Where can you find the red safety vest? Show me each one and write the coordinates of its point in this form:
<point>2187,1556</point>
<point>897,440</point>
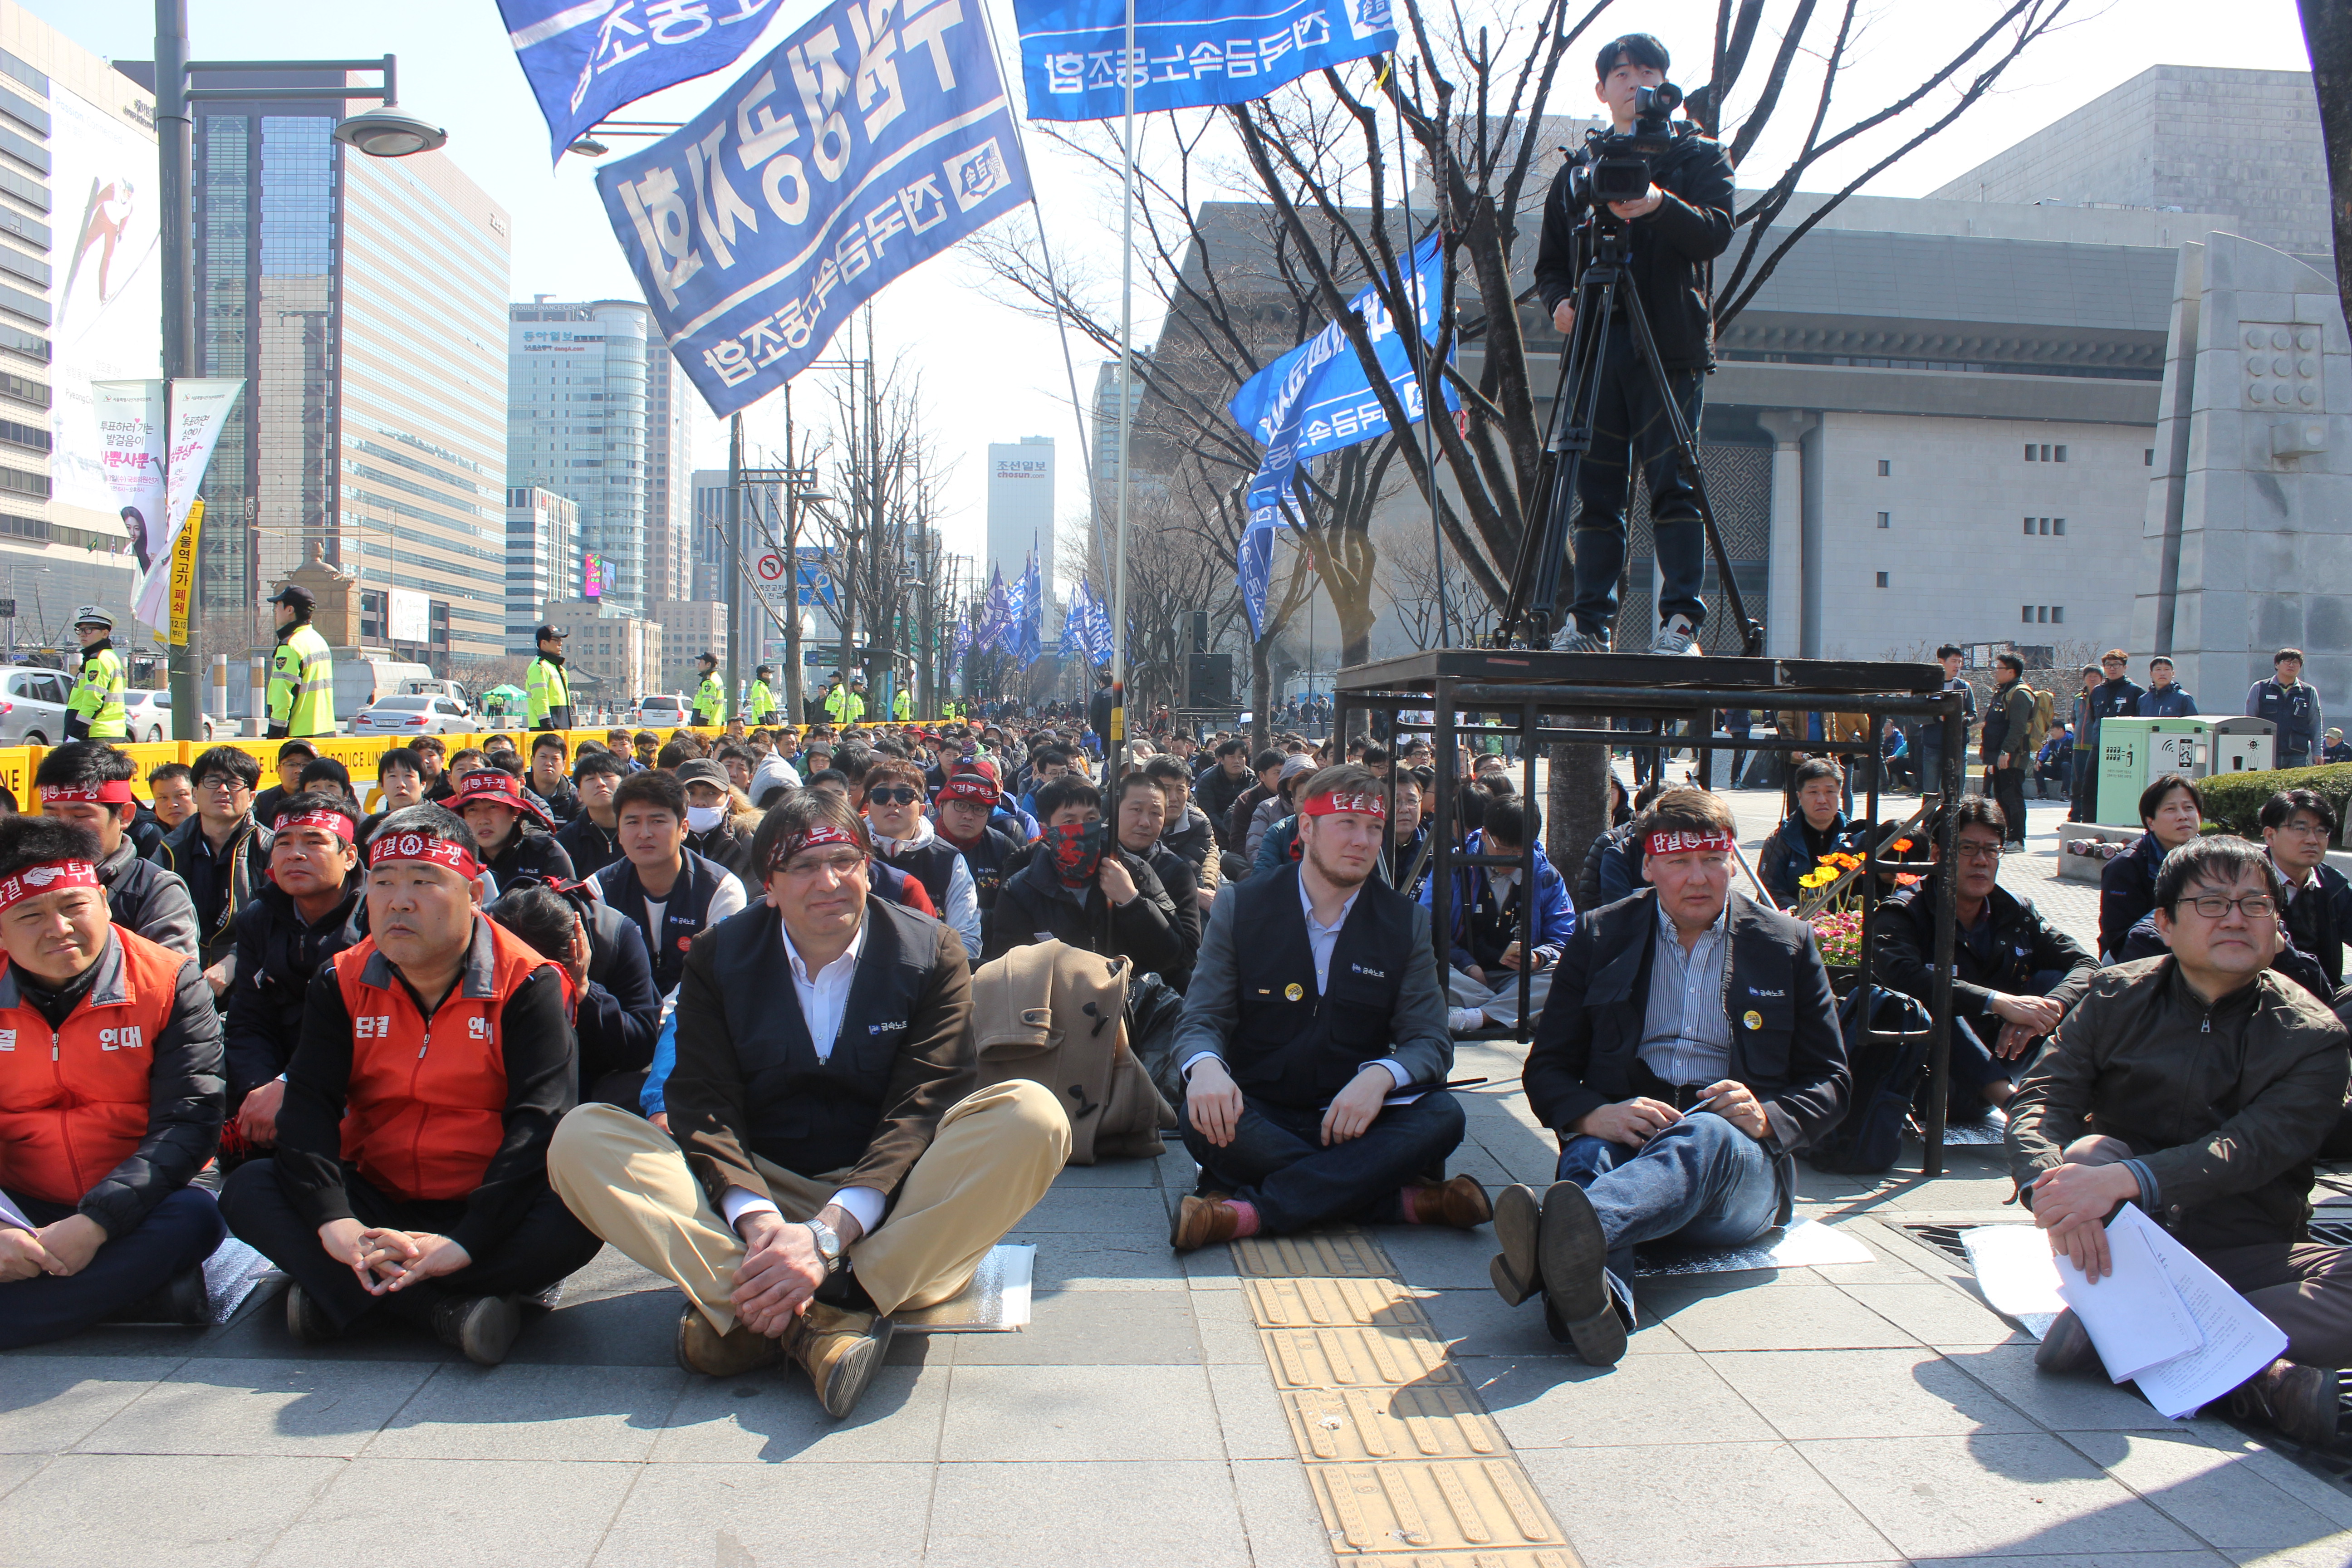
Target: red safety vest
<point>73,1101</point>
<point>426,1106</point>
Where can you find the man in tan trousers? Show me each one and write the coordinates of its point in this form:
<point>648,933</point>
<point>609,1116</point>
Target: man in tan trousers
<point>830,1159</point>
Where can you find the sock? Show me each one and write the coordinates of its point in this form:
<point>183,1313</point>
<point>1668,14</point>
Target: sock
<point>1246,1212</point>
<point>1405,1196</point>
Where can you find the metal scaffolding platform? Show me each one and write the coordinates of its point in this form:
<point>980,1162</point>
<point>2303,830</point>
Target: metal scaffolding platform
<point>1535,699</point>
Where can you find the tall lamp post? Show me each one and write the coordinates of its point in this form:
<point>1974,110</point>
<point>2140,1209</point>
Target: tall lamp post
<point>382,133</point>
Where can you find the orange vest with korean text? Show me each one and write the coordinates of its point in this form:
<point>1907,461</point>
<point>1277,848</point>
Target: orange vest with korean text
<point>426,1106</point>
<point>73,1101</point>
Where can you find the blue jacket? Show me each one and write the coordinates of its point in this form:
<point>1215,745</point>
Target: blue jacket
<point>2167,702</point>
<point>1473,902</point>
<point>1786,857</point>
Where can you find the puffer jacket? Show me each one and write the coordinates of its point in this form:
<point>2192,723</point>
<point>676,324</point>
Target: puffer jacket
<point>2222,1104</point>
<point>2126,892</point>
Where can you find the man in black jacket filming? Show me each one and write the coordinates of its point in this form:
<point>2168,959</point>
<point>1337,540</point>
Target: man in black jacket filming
<point>1671,232</point>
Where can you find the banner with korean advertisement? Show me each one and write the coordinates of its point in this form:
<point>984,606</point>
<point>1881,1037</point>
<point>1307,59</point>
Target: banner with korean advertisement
<point>105,302</point>
<point>155,457</point>
<point>875,136</point>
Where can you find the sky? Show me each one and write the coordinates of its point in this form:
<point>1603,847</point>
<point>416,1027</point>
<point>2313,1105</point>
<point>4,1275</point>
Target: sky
<point>991,373</point>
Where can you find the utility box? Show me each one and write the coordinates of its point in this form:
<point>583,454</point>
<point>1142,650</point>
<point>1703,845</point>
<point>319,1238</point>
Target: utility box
<point>2135,752</point>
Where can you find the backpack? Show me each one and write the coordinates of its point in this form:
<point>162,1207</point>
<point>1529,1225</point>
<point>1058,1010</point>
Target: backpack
<point>1055,1015</point>
<point>2045,718</point>
<point>1886,1073</point>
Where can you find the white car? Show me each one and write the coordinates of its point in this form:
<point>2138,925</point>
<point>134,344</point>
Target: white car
<point>150,713</point>
<point>661,712</point>
<point>413,715</point>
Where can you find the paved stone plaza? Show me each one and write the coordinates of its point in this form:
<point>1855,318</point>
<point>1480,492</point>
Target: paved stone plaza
<point>1865,1414</point>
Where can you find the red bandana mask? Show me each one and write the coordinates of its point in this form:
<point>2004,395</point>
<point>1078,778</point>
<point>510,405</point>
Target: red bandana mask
<point>46,878</point>
<point>391,847</point>
<point>1076,850</point>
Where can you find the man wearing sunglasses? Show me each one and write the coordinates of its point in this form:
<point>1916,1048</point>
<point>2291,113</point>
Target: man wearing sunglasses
<point>905,837</point>
<point>2198,1086</point>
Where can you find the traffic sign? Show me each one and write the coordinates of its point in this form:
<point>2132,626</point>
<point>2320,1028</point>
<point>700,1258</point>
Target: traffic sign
<point>772,567</point>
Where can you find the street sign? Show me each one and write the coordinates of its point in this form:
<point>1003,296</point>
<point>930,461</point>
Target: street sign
<point>7,609</point>
<point>770,567</point>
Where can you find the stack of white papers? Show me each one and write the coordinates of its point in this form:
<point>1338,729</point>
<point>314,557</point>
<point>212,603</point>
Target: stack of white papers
<point>2166,1321</point>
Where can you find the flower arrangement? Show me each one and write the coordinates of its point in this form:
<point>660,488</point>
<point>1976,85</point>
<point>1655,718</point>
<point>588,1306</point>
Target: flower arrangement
<point>1839,932</point>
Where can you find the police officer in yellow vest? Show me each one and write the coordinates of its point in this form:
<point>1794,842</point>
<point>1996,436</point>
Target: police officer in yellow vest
<point>902,706</point>
<point>837,700</point>
<point>302,671</point>
<point>711,698</point>
<point>760,702</point>
<point>94,712</point>
<point>857,699</point>
<point>548,683</point>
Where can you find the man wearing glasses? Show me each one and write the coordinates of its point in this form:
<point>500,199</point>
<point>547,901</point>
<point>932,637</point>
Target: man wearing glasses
<point>905,837</point>
<point>2014,974</point>
<point>2298,824</point>
<point>222,854</point>
<point>2198,1086</point>
<point>834,1160</point>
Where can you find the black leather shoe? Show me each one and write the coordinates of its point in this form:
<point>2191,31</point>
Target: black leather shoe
<point>2066,1347</point>
<point>482,1327</point>
<point>1518,1217</point>
<point>304,1320</point>
<point>1574,1255</point>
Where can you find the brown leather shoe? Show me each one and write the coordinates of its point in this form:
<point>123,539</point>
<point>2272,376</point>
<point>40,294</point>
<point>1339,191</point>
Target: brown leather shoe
<point>841,1351</point>
<point>1200,1222</point>
<point>2300,1401</point>
<point>703,1349</point>
<point>1460,1203</point>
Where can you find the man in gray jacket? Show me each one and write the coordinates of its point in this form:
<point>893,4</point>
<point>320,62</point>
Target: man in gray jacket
<point>2198,1087</point>
<point>1313,1040</point>
<point>88,783</point>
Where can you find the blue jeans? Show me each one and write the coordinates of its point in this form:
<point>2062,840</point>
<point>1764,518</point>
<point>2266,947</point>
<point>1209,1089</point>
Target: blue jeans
<point>1702,1181</point>
<point>1277,1163</point>
<point>1630,427</point>
<point>177,1233</point>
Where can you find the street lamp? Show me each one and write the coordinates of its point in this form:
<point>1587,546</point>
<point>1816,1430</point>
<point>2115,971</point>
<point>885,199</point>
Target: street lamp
<point>382,133</point>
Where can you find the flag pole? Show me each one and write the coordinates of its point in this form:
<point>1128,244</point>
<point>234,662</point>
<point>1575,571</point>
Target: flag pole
<point>1112,741</point>
<point>1422,346</point>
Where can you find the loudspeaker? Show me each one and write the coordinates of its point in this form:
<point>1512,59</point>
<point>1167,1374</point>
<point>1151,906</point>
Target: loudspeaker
<point>1209,680</point>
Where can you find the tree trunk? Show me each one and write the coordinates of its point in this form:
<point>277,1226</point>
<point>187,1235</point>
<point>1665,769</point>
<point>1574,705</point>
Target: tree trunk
<point>1576,809</point>
<point>1260,695</point>
<point>2327,37</point>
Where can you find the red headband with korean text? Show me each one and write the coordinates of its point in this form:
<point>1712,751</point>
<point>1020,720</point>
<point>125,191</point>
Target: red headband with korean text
<point>115,791</point>
<point>458,857</point>
<point>1676,840</point>
<point>970,786</point>
<point>334,822</point>
<point>1370,803</point>
<point>49,877</point>
<point>817,833</point>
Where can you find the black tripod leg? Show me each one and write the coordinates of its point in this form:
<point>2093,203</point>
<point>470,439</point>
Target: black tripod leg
<point>1596,309</point>
<point>1534,595</point>
<point>1751,632</point>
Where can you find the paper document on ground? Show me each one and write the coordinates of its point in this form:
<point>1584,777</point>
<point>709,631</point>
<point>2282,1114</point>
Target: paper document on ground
<point>996,1301</point>
<point>2014,1270</point>
<point>2134,1316</point>
<point>1804,1244</point>
<point>2239,1341</point>
<point>231,1273</point>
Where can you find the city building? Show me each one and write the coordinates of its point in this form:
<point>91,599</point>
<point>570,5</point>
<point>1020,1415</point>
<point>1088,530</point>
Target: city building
<point>1020,508</point>
<point>599,411</point>
<point>362,300</point>
<point>621,652</point>
<point>79,303</point>
<point>691,628</point>
<point>542,559</point>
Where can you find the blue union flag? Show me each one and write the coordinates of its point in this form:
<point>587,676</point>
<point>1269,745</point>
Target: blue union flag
<point>1187,53</point>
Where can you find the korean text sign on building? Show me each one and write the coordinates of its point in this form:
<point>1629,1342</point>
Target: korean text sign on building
<point>875,137</point>
<point>1187,53</point>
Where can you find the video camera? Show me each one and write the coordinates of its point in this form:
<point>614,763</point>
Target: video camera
<point>1618,166</point>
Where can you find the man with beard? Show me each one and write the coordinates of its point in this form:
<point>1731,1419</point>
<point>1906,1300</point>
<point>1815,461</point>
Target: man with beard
<point>1315,1004</point>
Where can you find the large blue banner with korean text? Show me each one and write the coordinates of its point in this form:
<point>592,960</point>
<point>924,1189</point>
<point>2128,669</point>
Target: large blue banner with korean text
<point>585,59</point>
<point>1187,52</point>
<point>874,138</point>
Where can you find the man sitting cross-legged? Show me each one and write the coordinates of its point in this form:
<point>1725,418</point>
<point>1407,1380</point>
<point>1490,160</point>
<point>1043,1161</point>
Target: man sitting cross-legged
<point>833,1159</point>
<point>1690,1048</point>
<point>1313,1003</point>
<point>411,1166</point>
<point>2198,1086</point>
<point>100,1133</point>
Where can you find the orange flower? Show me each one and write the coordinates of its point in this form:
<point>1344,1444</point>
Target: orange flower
<point>1902,845</point>
<point>1904,879</point>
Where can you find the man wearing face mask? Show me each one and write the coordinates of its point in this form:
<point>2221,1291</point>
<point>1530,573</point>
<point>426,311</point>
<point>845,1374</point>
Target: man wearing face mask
<point>711,830</point>
<point>1077,889</point>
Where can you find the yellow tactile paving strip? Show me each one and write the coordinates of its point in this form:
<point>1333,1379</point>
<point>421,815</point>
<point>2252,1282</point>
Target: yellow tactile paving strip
<point>1404,1462</point>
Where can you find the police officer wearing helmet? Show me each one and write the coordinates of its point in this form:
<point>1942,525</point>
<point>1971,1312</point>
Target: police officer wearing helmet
<point>302,671</point>
<point>95,711</point>
<point>549,684</point>
<point>710,698</point>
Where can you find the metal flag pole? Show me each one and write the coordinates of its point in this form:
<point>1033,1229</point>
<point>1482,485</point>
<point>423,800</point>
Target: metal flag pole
<point>1422,348</point>
<point>1112,741</point>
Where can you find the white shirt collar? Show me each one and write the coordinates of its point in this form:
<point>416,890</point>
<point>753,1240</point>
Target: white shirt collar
<point>1306,903</point>
<point>848,955</point>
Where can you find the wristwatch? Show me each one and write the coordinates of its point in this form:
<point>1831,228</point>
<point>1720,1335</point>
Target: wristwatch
<point>828,1244</point>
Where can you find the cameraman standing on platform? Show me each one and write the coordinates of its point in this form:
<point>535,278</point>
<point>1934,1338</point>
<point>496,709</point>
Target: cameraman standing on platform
<point>1673,232</point>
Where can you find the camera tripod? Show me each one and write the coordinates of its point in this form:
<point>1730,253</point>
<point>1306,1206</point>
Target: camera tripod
<point>1603,290</point>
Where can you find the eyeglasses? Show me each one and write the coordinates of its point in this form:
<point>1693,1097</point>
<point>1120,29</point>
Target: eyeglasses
<point>223,782</point>
<point>890,795</point>
<point>2214,907</point>
<point>1983,854</point>
<point>841,863</point>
